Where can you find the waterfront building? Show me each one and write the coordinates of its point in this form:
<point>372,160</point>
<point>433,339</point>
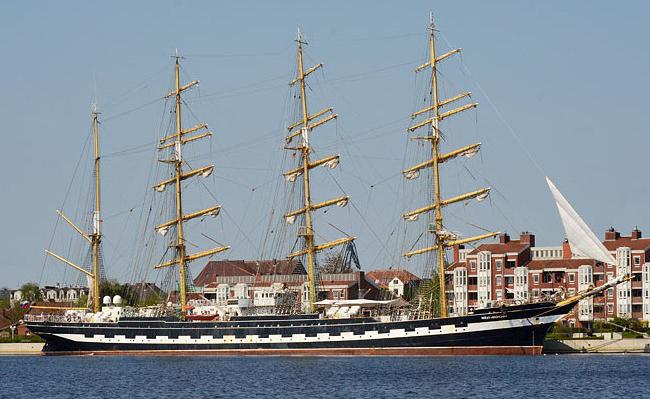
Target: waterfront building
<point>397,282</point>
<point>54,293</point>
<point>273,284</point>
<point>516,270</point>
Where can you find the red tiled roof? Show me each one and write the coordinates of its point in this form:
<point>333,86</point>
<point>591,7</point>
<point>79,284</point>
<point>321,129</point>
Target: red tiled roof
<point>384,276</point>
<point>221,268</point>
<point>498,248</point>
<point>4,322</point>
<point>51,307</point>
<point>642,244</point>
<point>574,263</point>
<point>174,296</point>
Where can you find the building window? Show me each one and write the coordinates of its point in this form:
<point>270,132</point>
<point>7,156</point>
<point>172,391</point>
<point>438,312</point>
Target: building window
<point>535,278</point>
<point>610,308</point>
<point>572,278</point>
<point>610,292</point>
<point>498,263</point>
<point>535,293</point>
<point>472,264</point>
<point>499,295</point>
<point>637,260</point>
<point>498,280</point>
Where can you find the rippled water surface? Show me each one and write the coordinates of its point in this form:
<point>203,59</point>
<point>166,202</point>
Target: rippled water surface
<point>600,376</point>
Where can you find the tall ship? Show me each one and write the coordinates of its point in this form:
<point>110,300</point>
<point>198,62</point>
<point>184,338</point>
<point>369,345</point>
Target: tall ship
<point>181,327</point>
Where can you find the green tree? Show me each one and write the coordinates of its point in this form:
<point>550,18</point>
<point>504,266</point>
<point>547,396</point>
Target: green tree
<point>335,263</point>
<point>15,313</point>
<point>31,292</point>
<point>112,288</point>
<point>427,296</point>
<point>82,301</point>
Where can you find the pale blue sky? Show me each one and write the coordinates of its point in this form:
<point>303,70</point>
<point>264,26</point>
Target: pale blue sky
<point>565,81</point>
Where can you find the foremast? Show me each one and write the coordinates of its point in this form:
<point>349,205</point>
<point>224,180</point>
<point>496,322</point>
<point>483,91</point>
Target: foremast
<point>303,128</point>
<point>175,142</point>
<point>443,238</point>
<point>95,237</point>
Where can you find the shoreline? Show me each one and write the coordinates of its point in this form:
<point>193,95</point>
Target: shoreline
<point>21,348</point>
<point>598,346</point>
<point>551,347</point>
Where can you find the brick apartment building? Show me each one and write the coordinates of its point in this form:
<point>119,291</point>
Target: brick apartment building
<point>264,283</point>
<point>519,271</point>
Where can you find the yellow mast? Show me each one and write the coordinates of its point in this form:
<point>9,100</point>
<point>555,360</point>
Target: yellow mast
<point>436,180</point>
<point>306,124</point>
<point>174,143</point>
<point>95,237</point>
<point>309,233</point>
<point>178,166</point>
<point>443,238</point>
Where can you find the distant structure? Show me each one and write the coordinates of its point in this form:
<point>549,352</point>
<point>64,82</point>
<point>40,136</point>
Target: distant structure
<point>55,293</point>
<point>396,281</point>
<point>266,284</point>
<point>517,270</point>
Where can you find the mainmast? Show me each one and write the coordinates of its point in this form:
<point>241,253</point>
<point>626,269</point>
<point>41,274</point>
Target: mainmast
<point>302,128</point>
<point>95,237</point>
<point>443,238</point>
<point>174,143</point>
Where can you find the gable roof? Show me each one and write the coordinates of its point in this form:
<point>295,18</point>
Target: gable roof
<point>219,268</point>
<point>383,277</point>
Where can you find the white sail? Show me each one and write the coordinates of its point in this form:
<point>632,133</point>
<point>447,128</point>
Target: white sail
<point>582,240</point>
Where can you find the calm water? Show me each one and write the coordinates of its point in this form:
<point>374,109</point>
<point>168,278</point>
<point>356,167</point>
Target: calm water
<point>599,376</point>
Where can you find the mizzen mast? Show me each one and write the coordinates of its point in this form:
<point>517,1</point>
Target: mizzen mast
<point>95,237</point>
<point>434,115</point>
<point>303,128</point>
<point>174,143</point>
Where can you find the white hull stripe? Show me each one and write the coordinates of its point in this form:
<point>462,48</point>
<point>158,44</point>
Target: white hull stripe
<point>343,337</point>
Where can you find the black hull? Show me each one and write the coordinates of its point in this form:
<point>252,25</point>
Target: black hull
<point>506,328</point>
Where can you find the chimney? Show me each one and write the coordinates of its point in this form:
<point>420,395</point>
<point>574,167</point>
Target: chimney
<point>566,249</point>
<point>611,234</point>
<point>504,238</point>
<point>528,238</point>
<point>457,249</point>
<point>636,233</point>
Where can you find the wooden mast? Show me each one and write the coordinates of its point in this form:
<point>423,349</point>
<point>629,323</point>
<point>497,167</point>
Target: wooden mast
<point>174,143</point>
<point>178,167</point>
<point>309,231</point>
<point>443,239</point>
<point>94,238</point>
<point>96,235</point>
<point>305,125</point>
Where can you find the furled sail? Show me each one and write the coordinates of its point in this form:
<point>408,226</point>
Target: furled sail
<point>582,240</point>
